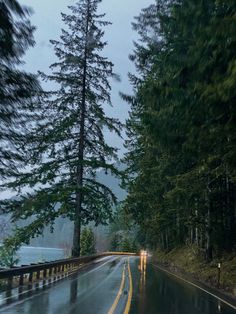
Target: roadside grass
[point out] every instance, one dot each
(188, 261)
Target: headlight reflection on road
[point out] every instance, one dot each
(142, 268)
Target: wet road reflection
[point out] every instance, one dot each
(142, 268)
(142, 283)
(156, 292)
(108, 286)
(73, 291)
(90, 291)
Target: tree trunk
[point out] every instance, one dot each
(209, 248)
(179, 231)
(191, 235)
(80, 168)
(230, 218)
(167, 241)
(196, 229)
(208, 237)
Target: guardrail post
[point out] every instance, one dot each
(38, 278)
(9, 283)
(9, 287)
(21, 283)
(21, 280)
(63, 270)
(45, 273)
(50, 274)
(54, 272)
(31, 277)
(44, 276)
(58, 271)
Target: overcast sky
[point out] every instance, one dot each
(119, 35)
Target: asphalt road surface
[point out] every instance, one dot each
(118, 284)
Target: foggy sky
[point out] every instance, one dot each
(119, 35)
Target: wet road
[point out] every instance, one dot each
(119, 284)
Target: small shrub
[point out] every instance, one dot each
(8, 257)
(87, 242)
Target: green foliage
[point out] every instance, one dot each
(87, 242)
(121, 220)
(181, 146)
(123, 232)
(123, 242)
(187, 260)
(8, 256)
(68, 147)
(115, 242)
(126, 245)
(17, 88)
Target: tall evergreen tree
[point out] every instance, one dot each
(69, 146)
(17, 87)
(182, 125)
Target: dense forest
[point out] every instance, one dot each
(182, 126)
(180, 161)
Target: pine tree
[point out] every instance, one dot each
(126, 245)
(115, 242)
(182, 188)
(143, 172)
(17, 88)
(87, 242)
(69, 146)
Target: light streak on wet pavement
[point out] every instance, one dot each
(119, 284)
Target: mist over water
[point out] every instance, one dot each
(30, 254)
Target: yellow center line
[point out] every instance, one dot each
(114, 305)
(128, 304)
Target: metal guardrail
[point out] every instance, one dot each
(48, 269)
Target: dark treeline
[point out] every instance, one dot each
(182, 126)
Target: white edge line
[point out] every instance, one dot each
(215, 296)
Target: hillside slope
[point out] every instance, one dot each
(185, 260)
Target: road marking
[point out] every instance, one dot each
(3, 300)
(128, 304)
(100, 266)
(215, 296)
(114, 305)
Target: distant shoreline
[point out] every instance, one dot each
(40, 247)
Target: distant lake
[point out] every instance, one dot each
(30, 254)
